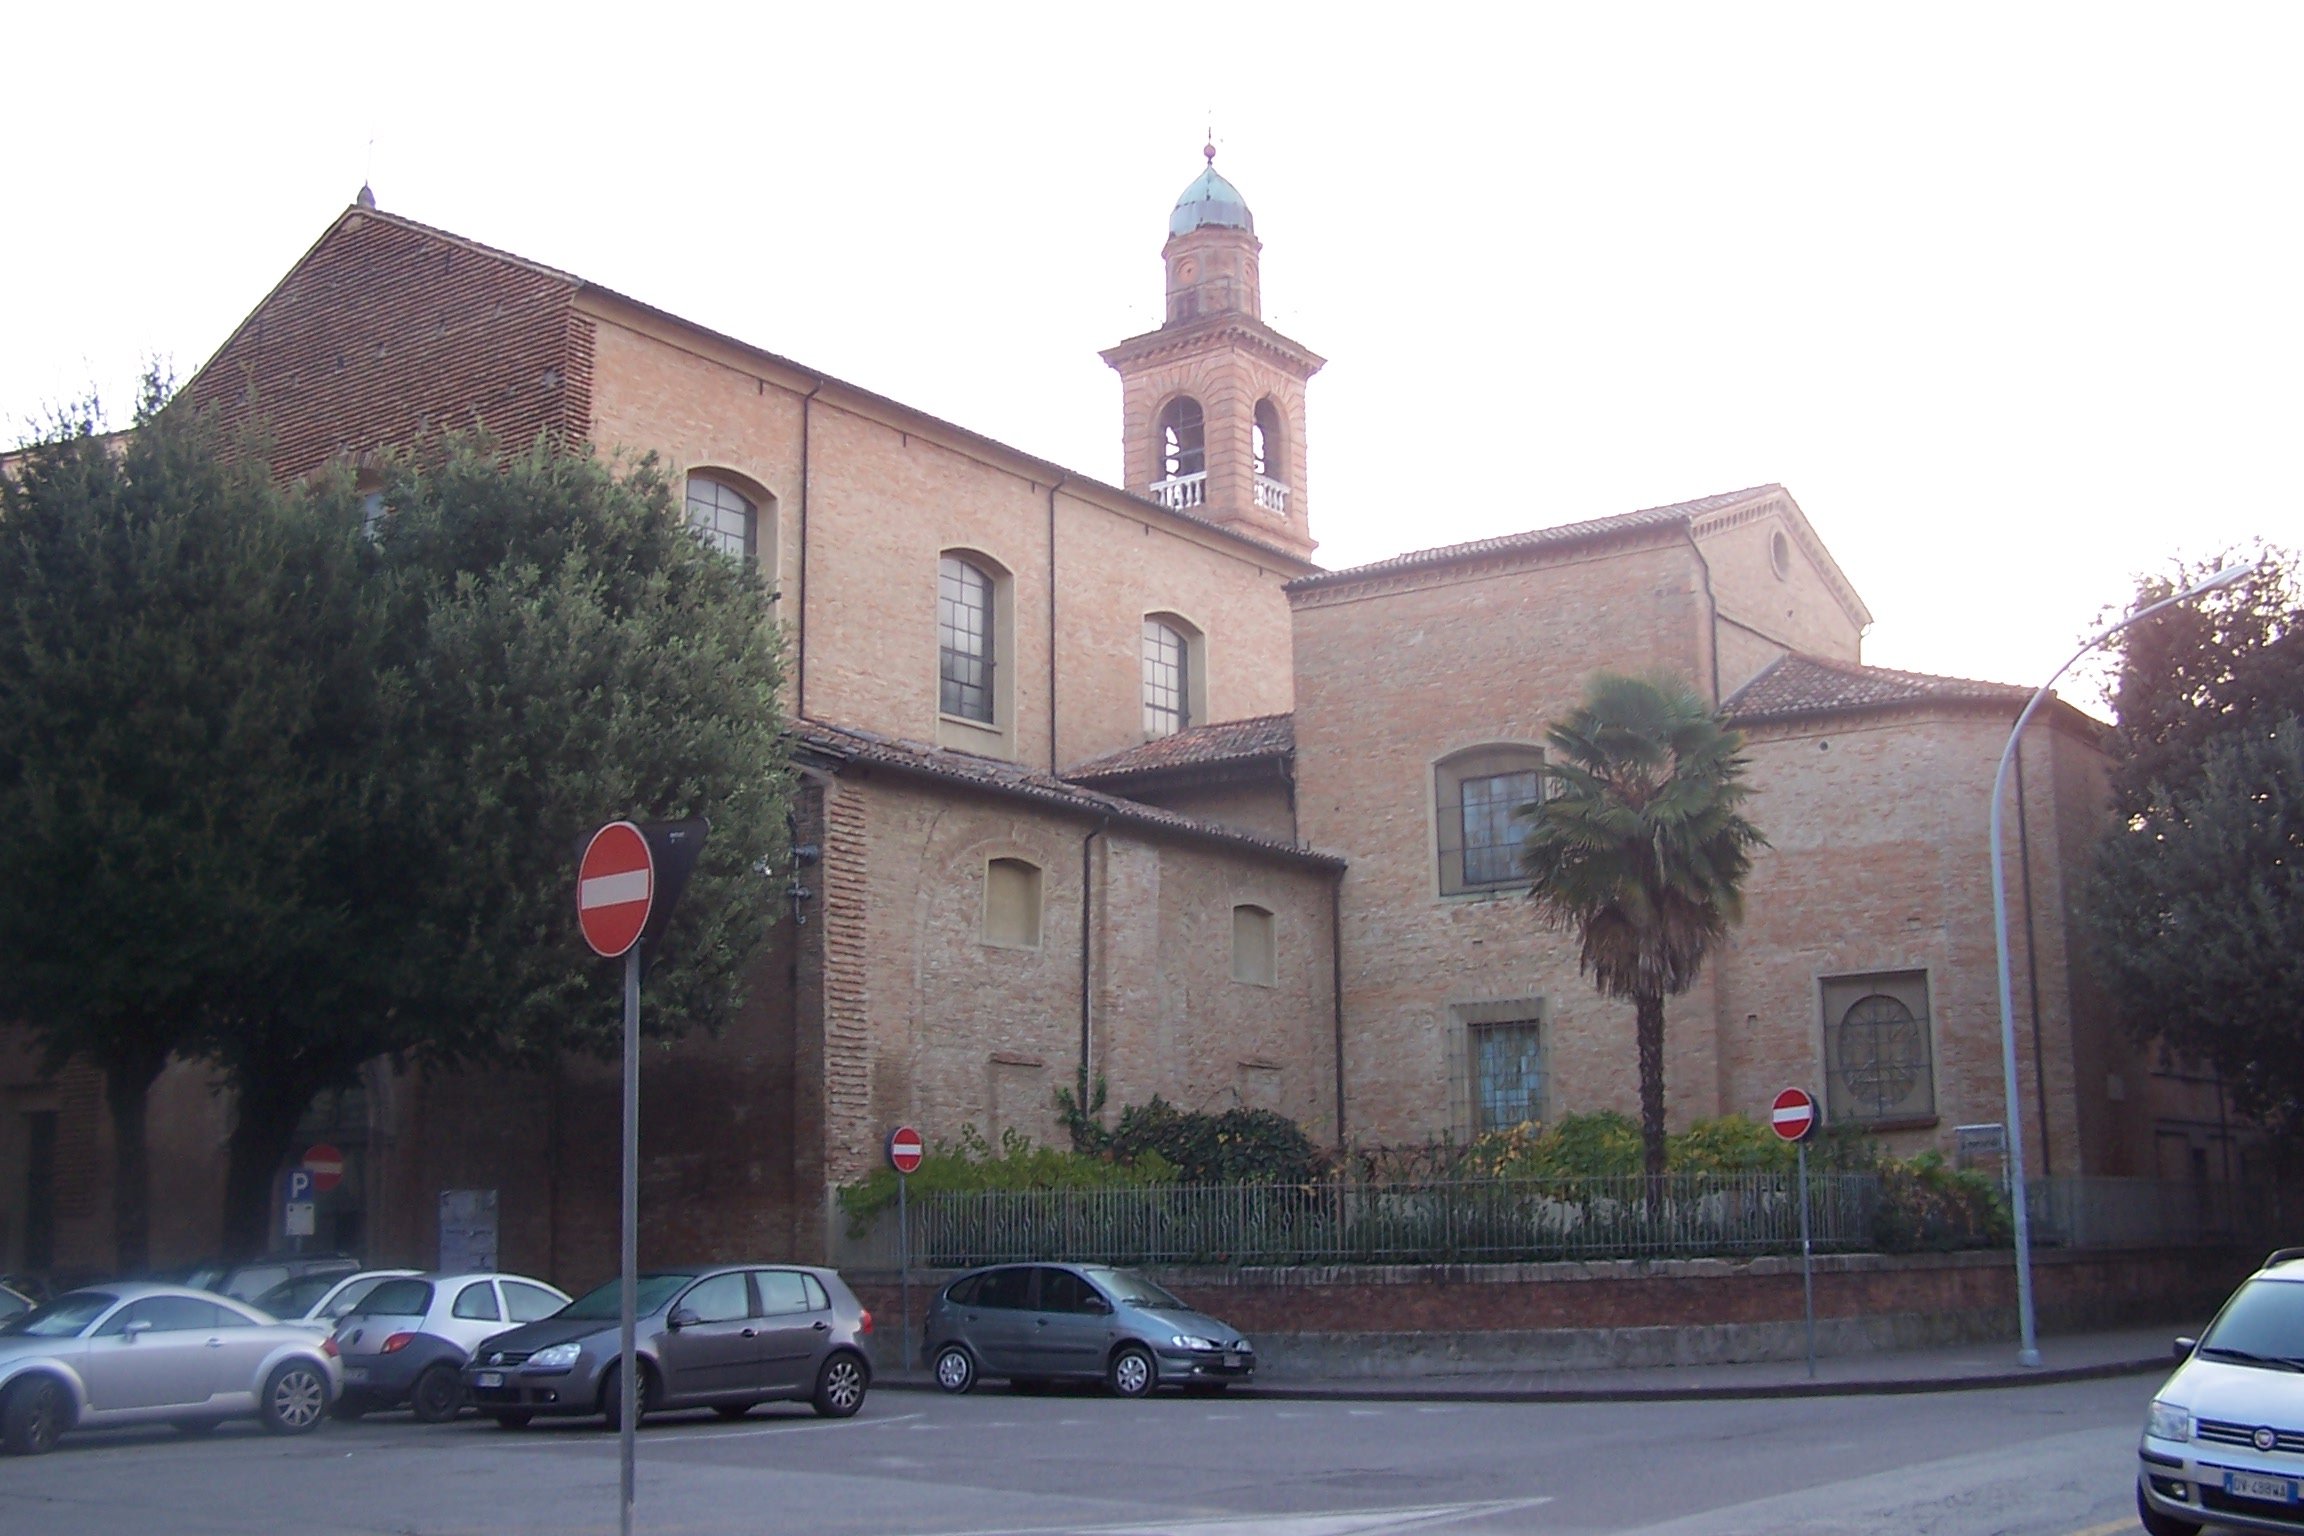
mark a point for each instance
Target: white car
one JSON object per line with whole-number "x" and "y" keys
{"x": 2224, "y": 1440}
{"x": 323, "y": 1299}
{"x": 408, "y": 1339}
{"x": 137, "y": 1352}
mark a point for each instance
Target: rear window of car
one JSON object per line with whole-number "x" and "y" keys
{"x": 396, "y": 1298}
{"x": 477, "y": 1302}
{"x": 529, "y": 1303}
{"x": 790, "y": 1290}
{"x": 1004, "y": 1288}
{"x": 291, "y": 1298}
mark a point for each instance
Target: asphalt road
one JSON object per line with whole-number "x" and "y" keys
{"x": 2032, "y": 1461}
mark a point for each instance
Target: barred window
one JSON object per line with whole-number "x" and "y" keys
{"x": 964, "y": 636}
{"x": 1878, "y": 1064}
{"x": 1507, "y": 1073}
{"x": 1477, "y": 800}
{"x": 723, "y": 517}
{"x": 1167, "y": 679}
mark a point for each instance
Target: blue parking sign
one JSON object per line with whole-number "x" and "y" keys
{"x": 299, "y": 1183}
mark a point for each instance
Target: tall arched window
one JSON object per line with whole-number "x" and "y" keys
{"x": 1183, "y": 439}
{"x": 1271, "y": 461}
{"x": 964, "y": 636}
{"x": 724, "y": 517}
{"x": 1167, "y": 678}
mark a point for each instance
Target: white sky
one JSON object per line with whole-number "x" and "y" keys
{"x": 2008, "y": 296}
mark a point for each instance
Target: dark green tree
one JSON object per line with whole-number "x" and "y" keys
{"x": 2195, "y": 912}
{"x": 185, "y": 701}
{"x": 1638, "y": 846}
{"x": 559, "y": 650}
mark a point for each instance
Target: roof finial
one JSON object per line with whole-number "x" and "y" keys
{"x": 367, "y": 197}
{"x": 1209, "y": 148}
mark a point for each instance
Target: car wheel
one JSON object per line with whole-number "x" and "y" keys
{"x": 438, "y": 1395}
{"x": 34, "y": 1414}
{"x": 512, "y": 1420}
{"x": 1133, "y": 1371}
{"x": 733, "y": 1410}
{"x": 295, "y": 1398}
{"x": 612, "y": 1395}
{"x": 840, "y": 1387}
{"x": 955, "y": 1369}
{"x": 2158, "y": 1524}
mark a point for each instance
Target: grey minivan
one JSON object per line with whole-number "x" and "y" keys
{"x": 1047, "y": 1322}
{"x": 724, "y": 1337}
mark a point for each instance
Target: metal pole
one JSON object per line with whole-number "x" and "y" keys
{"x": 627, "y": 1375}
{"x": 1807, "y": 1268}
{"x": 2028, "y": 1349}
{"x": 904, "y": 1259}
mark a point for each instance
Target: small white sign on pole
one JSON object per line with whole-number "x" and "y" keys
{"x": 300, "y": 1221}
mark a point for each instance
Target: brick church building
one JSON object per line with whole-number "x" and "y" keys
{"x": 1116, "y": 776}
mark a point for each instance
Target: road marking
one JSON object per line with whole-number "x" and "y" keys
{"x": 671, "y": 1435}
{"x": 2109, "y": 1528}
{"x": 1350, "y": 1522}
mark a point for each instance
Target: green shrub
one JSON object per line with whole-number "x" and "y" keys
{"x": 1928, "y": 1207}
{"x": 971, "y": 1164}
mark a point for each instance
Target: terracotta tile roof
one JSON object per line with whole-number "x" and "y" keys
{"x": 993, "y": 776}
{"x": 1680, "y": 512}
{"x": 1227, "y": 741}
{"x": 1796, "y": 686}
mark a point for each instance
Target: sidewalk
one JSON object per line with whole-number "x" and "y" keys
{"x": 2063, "y": 1357}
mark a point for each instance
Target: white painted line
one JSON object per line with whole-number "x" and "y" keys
{"x": 612, "y": 890}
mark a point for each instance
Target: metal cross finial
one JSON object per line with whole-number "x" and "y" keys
{"x": 1209, "y": 149}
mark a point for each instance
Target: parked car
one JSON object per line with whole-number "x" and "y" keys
{"x": 246, "y": 1282}
{"x": 137, "y": 1352}
{"x": 407, "y": 1339}
{"x": 2224, "y": 1438}
{"x": 1046, "y": 1322}
{"x": 13, "y": 1303}
{"x": 323, "y": 1298}
{"x": 727, "y": 1338}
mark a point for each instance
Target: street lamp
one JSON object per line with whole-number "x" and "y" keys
{"x": 2029, "y": 1352}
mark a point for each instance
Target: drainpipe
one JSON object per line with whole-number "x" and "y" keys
{"x": 1087, "y": 908}
{"x": 2032, "y": 972}
{"x": 1713, "y": 604}
{"x": 1052, "y": 490}
{"x": 800, "y": 608}
{"x": 1336, "y": 990}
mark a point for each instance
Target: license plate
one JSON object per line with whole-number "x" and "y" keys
{"x": 1231, "y": 1362}
{"x": 2255, "y": 1485}
{"x": 355, "y": 1373}
{"x": 489, "y": 1379}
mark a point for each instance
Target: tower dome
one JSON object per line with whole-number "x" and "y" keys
{"x": 1210, "y": 202}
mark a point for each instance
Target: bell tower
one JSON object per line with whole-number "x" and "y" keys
{"x": 1212, "y": 403}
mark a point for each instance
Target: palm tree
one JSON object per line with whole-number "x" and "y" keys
{"x": 1637, "y": 844}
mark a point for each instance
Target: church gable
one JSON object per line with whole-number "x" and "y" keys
{"x": 388, "y": 330}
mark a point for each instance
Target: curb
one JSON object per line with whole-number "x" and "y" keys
{"x": 1400, "y": 1392}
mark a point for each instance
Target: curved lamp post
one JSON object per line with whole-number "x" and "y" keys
{"x": 2029, "y": 1352}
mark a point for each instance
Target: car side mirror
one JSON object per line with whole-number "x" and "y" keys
{"x": 682, "y": 1317}
{"x": 137, "y": 1329}
{"x": 2182, "y": 1348}
{"x": 1099, "y": 1305}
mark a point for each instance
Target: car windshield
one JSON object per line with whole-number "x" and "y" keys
{"x": 1131, "y": 1289}
{"x": 604, "y": 1304}
{"x": 292, "y": 1298}
{"x": 2264, "y": 1321}
{"x": 61, "y": 1318}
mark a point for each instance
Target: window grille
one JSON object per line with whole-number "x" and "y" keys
{"x": 1877, "y": 1056}
{"x": 1507, "y": 1074}
{"x": 964, "y": 635}
{"x": 722, "y": 516}
{"x": 1477, "y": 796}
{"x": 1167, "y": 690}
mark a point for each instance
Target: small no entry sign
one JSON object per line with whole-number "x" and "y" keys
{"x": 615, "y": 888}
{"x": 905, "y": 1149}
{"x": 1793, "y": 1115}
{"x": 326, "y": 1165}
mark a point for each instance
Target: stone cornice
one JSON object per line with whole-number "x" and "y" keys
{"x": 1213, "y": 333}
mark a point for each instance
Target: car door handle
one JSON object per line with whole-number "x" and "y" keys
{"x": 215, "y": 1343}
{"x": 750, "y": 1334}
{"x": 1043, "y": 1322}
{"x": 821, "y": 1326}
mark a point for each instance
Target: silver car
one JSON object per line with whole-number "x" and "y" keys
{"x": 2224, "y": 1439}
{"x": 1034, "y": 1323}
{"x": 138, "y": 1352}
{"x": 407, "y": 1339}
{"x": 323, "y": 1298}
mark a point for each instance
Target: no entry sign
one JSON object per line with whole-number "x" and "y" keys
{"x": 615, "y": 887}
{"x": 326, "y": 1165}
{"x": 905, "y": 1149}
{"x": 1793, "y": 1115}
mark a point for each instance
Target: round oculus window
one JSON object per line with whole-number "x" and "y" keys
{"x": 1780, "y": 553}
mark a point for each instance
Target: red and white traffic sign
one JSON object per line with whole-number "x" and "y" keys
{"x": 326, "y": 1165}
{"x": 615, "y": 888}
{"x": 1794, "y": 1114}
{"x": 905, "y": 1149}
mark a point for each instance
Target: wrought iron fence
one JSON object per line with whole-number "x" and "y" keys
{"x": 1513, "y": 1220}
{"x": 1470, "y": 1221}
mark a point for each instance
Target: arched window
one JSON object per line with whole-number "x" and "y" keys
{"x": 1012, "y": 904}
{"x": 724, "y": 517}
{"x": 1878, "y": 1068}
{"x": 1183, "y": 439}
{"x": 1271, "y": 461}
{"x": 1477, "y": 797}
{"x": 1254, "y": 956}
{"x": 964, "y": 637}
{"x": 1167, "y": 678}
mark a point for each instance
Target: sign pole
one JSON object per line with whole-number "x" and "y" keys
{"x": 627, "y": 1375}
{"x": 904, "y": 1258}
{"x": 1807, "y": 1269}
